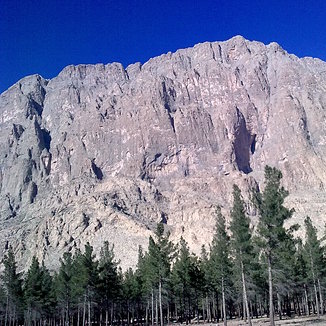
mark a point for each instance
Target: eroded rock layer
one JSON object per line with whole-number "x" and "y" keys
{"x": 103, "y": 152}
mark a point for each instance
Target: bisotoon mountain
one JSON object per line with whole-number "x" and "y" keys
{"x": 103, "y": 152}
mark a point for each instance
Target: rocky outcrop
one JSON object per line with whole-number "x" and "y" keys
{"x": 103, "y": 152}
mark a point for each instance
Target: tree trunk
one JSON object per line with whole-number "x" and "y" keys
{"x": 106, "y": 316}
{"x": 296, "y": 306}
{"x": 239, "y": 311}
{"x": 203, "y": 309}
{"x": 270, "y": 284}
{"x": 168, "y": 313}
{"x": 244, "y": 315}
{"x": 128, "y": 314}
{"x": 288, "y": 305}
{"x": 306, "y": 300}
{"x": 189, "y": 311}
{"x": 89, "y": 313}
{"x": 208, "y": 310}
{"x": 279, "y": 308}
{"x": 213, "y": 308}
{"x": 160, "y": 302}
{"x": 68, "y": 314}
{"x": 152, "y": 307}
{"x": 320, "y": 297}
{"x": 146, "y": 313}
{"x": 223, "y": 304}
{"x": 261, "y": 309}
{"x": 112, "y": 313}
{"x": 314, "y": 280}
{"x": 84, "y": 311}
{"x": 316, "y": 298}
{"x": 304, "y": 307}
{"x": 156, "y": 310}
{"x": 7, "y": 308}
{"x": 176, "y": 311}
{"x": 253, "y": 309}
{"x": 245, "y": 295}
{"x": 78, "y": 316}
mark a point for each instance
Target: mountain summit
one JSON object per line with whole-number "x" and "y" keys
{"x": 103, "y": 152}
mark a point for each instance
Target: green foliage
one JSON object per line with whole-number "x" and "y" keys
{"x": 130, "y": 286}
{"x": 12, "y": 284}
{"x": 182, "y": 274}
{"x": 79, "y": 277}
{"x": 108, "y": 278}
{"x": 38, "y": 289}
{"x": 285, "y": 264}
{"x": 272, "y": 211}
{"x": 160, "y": 254}
{"x": 204, "y": 266}
{"x": 240, "y": 229}
{"x": 144, "y": 274}
{"x": 300, "y": 266}
{"x": 63, "y": 281}
{"x": 220, "y": 263}
{"x": 3, "y": 301}
{"x": 187, "y": 279}
{"x": 249, "y": 261}
{"x": 313, "y": 252}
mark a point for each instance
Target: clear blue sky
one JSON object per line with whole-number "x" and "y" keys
{"x": 43, "y": 37}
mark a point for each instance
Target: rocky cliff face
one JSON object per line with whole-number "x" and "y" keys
{"x": 103, "y": 152}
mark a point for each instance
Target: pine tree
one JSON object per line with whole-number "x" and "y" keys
{"x": 13, "y": 288}
{"x": 130, "y": 293}
{"x": 145, "y": 280}
{"x": 271, "y": 228}
{"x": 33, "y": 291}
{"x": 301, "y": 276}
{"x": 197, "y": 282}
{"x": 90, "y": 270}
{"x": 204, "y": 265}
{"x": 241, "y": 243}
{"x": 315, "y": 261}
{"x": 182, "y": 278}
{"x": 284, "y": 269}
{"x": 109, "y": 286}
{"x": 48, "y": 299}
{"x": 79, "y": 280}
{"x": 3, "y": 305}
{"x": 64, "y": 285}
{"x": 259, "y": 275}
{"x": 38, "y": 292}
{"x": 159, "y": 260}
{"x": 220, "y": 262}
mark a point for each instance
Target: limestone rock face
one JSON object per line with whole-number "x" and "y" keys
{"x": 103, "y": 152}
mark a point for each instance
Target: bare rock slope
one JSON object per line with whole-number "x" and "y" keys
{"x": 103, "y": 152}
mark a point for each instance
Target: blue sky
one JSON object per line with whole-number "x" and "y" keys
{"x": 45, "y": 36}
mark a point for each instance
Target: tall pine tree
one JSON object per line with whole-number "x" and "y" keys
{"x": 160, "y": 256}
{"x": 182, "y": 279}
{"x": 90, "y": 268}
{"x": 38, "y": 292}
{"x": 241, "y": 243}
{"x": 13, "y": 288}
{"x": 64, "y": 286}
{"x": 220, "y": 260}
{"x": 109, "y": 286}
{"x": 313, "y": 252}
{"x": 271, "y": 228}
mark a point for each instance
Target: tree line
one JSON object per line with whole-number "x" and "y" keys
{"x": 245, "y": 273}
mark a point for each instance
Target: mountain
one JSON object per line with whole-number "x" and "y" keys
{"x": 103, "y": 152}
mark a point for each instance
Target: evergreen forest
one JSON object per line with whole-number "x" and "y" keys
{"x": 246, "y": 273}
